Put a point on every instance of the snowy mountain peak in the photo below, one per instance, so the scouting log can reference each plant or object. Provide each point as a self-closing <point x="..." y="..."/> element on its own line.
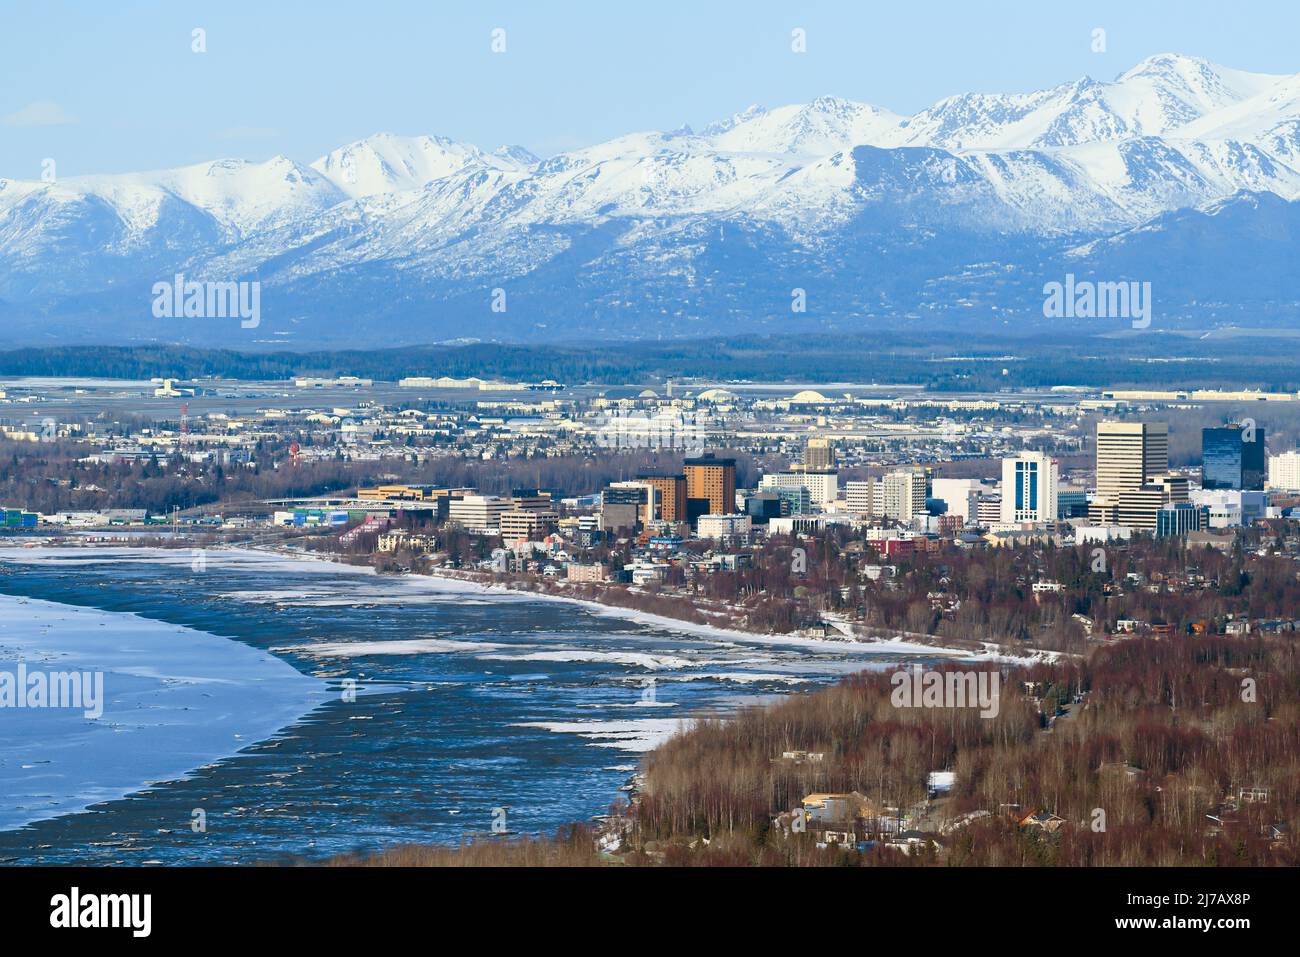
<point x="744" y="116"/>
<point x="1192" y="87"/>
<point x="517" y="154"/>
<point x="388" y="163"/>
<point x="1167" y="64"/>
<point x="1199" y="76"/>
<point x="826" y="125"/>
<point x="1157" y="97"/>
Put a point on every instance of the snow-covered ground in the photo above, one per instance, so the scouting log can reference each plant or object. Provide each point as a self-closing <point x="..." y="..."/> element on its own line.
<point x="175" y="699"/>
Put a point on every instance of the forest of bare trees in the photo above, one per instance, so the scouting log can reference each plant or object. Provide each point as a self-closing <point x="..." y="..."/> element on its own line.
<point x="1166" y="734"/>
<point x="1162" y="740"/>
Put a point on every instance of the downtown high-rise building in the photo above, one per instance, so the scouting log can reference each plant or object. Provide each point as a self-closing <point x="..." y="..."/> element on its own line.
<point x="819" y="454"/>
<point x="860" y="496"/>
<point x="1232" y="457"/>
<point x="1133" y="481"/>
<point x="1029" y="485"/>
<point x="1284" y="471"/>
<point x="903" y="494"/>
<point x="899" y="495"/>
<point x="710" y="486"/>
<point x="670" y="496"/>
<point x="1130" y="455"/>
<point x="823" y="485"/>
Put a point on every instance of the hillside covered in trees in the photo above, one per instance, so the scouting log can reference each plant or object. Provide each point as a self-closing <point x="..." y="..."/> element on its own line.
<point x="1152" y="753"/>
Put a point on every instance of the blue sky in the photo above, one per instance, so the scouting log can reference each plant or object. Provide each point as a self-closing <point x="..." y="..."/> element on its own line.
<point x="109" y="87"/>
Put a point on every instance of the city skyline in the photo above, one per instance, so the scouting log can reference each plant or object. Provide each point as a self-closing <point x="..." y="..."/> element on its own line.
<point x="624" y="441"/>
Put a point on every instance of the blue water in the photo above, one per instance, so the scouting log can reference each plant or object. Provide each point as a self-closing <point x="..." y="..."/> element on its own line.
<point x="433" y="743"/>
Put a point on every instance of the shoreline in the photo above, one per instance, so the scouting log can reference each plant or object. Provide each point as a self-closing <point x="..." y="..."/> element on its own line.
<point x="898" y="645"/>
<point x="886" y="651"/>
<point x="523" y="589"/>
<point x="886" y="646"/>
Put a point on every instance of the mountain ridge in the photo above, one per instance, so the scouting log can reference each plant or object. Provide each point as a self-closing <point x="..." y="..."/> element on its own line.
<point x="432" y="224"/>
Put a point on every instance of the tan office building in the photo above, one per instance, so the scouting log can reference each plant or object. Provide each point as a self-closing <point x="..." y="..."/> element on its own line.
<point x="670" y="497"/>
<point x="1130" y="455"/>
<point x="1133" y="481"/>
<point x="714" y="479"/>
<point x="479" y="512"/>
<point x="526" y="524"/>
<point x="819" y="455"/>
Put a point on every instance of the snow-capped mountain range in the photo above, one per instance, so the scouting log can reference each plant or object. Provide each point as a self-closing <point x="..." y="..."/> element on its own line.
<point x="955" y="211"/>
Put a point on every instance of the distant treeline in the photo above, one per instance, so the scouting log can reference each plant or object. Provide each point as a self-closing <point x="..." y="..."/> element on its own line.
<point x="1269" y="364"/>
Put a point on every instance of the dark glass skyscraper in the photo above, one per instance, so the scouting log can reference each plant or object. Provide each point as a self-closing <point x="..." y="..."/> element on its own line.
<point x="1232" y="457"/>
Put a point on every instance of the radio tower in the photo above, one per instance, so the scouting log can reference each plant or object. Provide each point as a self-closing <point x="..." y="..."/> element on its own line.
<point x="185" y="420"/>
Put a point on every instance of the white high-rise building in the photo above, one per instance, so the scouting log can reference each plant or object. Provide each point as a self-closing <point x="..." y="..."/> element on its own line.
<point x="1284" y="471"/>
<point x="479" y="512"/>
<point x="1029" y="483"/>
<point x="902" y="494"/>
<point x="860" y="496"/>
<point x="823" y="485"/>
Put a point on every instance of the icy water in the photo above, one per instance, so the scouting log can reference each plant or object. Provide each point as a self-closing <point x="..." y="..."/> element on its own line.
<point x="441" y="707"/>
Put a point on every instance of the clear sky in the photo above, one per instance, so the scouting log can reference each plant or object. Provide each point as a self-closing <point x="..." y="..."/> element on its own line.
<point x="115" y="86"/>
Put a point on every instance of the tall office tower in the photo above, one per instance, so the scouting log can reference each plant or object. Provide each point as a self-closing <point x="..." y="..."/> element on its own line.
<point x="1029" y="484"/>
<point x="671" y="495"/>
<point x="1284" y="471"/>
<point x="710" y="480"/>
<point x="1233" y="458"/>
<point x="902" y="494"/>
<point x="860" y="496"/>
<point x="1129" y="455"/>
<point x="627" y="505"/>
<point x="819" y="455"/>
